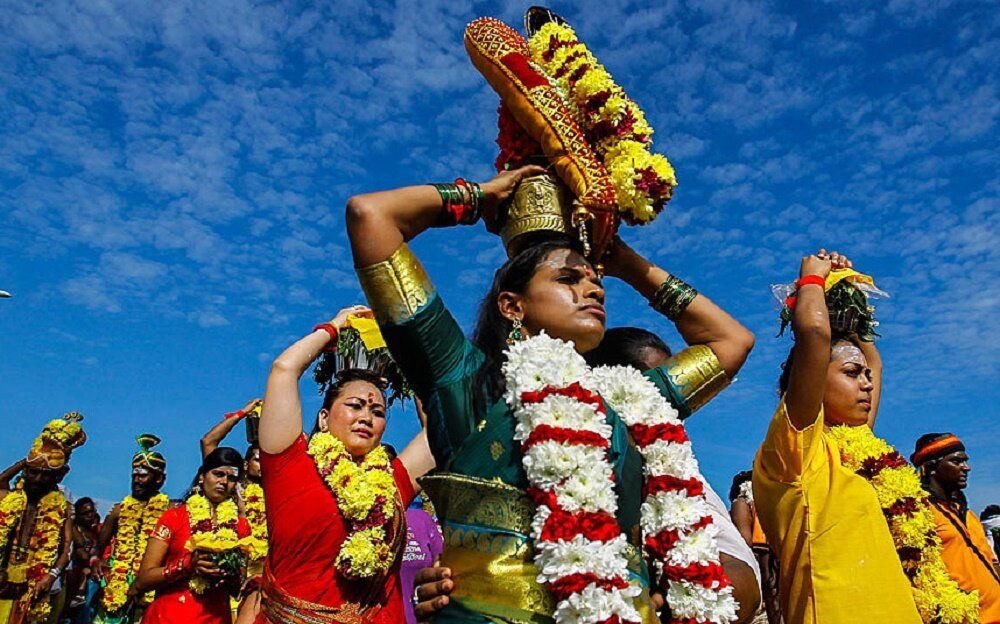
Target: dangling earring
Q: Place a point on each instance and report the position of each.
(515, 334)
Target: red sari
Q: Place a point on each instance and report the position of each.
(305, 533)
(176, 603)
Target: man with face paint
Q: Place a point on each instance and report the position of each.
(944, 472)
(127, 530)
(36, 523)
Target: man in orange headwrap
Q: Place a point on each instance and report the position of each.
(36, 523)
(944, 471)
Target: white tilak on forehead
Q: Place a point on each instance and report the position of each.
(229, 470)
(849, 354)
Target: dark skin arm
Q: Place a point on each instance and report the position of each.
(378, 223)
(9, 473)
(702, 323)
(108, 530)
(211, 440)
(742, 518)
(151, 570)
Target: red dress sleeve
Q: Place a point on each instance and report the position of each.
(402, 477)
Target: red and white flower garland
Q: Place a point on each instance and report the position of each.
(580, 549)
(679, 537)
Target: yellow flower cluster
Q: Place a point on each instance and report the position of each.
(362, 491)
(938, 597)
(618, 129)
(43, 545)
(221, 534)
(136, 521)
(253, 496)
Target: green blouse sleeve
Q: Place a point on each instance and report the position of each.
(429, 347)
(690, 379)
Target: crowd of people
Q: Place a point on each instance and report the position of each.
(552, 480)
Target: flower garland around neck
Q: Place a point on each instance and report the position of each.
(136, 522)
(906, 507)
(365, 493)
(580, 549)
(615, 125)
(253, 496)
(42, 549)
(219, 537)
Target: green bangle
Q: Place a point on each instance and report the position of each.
(672, 297)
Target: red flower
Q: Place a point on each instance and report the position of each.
(563, 587)
(663, 542)
(547, 433)
(517, 147)
(573, 391)
(564, 525)
(644, 435)
(669, 483)
(709, 575)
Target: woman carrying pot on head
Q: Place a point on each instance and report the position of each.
(336, 499)
(488, 497)
(195, 559)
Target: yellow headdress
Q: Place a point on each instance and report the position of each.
(52, 447)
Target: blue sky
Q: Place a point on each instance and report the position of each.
(173, 175)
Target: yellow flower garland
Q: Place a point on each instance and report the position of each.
(618, 129)
(253, 496)
(43, 544)
(904, 502)
(136, 522)
(216, 536)
(365, 494)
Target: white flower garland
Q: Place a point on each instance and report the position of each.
(579, 546)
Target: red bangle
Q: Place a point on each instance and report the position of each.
(814, 280)
(236, 414)
(330, 329)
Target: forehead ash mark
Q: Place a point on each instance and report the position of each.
(848, 354)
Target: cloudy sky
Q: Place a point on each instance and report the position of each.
(173, 176)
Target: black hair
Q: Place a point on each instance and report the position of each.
(739, 479)
(626, 346)
(990, 511)
(332, 389)
(249, 453)
(492, 329)
(80, 502)
(222, 456)
(786, 367)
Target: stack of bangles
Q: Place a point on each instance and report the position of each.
(672, 297)
(462, 200)
(807, 280)
(177, 569)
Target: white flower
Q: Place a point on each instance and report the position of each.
(670, 458)
(672, 510)
(594, 604)
(688, 600)
(561, 411)
(538, 362)
(590, 488)
(696, 547)
(632, 395)
(549, 463)
(558, 559)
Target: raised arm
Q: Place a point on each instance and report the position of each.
(700, 323)
(875, 365)
(378, 223)
(9, 473)
(811, 353)
(214, 437)
(281, 415)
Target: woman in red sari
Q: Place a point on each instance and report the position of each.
(182, 560)
(336, 502)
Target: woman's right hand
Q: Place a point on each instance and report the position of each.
(501, 188)
(202, 563)
(821, 263)
(340, 321)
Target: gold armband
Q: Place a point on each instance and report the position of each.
(697, 375)
(396, 288)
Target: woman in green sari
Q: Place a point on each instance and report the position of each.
(480, 489)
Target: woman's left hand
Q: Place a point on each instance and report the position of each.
(622, 261)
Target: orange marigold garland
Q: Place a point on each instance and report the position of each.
(219, 537)
(616, 127)
(136, 522)
(32, 564)
(906, 506)
(253, 496)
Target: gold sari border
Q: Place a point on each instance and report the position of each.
(396, 288)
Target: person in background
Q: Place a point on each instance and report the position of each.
(744, 515)
(36, 524)
(991, 522)
(944, 471)
(81, 588)
(424, 544)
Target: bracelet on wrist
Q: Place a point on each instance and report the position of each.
(331, 345)
(461, 202)
(813, 280)
(237, 414)
(672, 297)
